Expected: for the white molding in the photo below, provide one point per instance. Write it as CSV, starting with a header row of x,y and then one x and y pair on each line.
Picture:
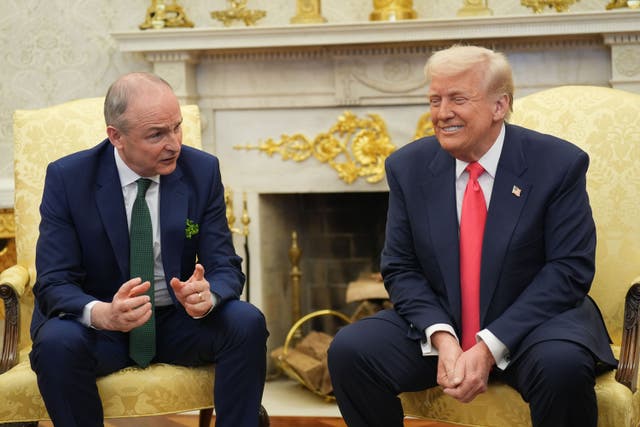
x,y
420,30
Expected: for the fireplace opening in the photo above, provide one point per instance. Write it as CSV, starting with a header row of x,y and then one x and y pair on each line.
x,y
340,236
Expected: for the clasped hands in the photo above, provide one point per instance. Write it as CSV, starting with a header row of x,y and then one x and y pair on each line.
x,y
462,374
131,307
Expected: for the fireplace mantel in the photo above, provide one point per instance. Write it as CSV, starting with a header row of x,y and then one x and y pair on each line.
x,y
176,53
366,33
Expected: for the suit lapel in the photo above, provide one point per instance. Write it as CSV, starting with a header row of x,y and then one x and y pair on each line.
x,y
508,197
440,201
173,215
110,204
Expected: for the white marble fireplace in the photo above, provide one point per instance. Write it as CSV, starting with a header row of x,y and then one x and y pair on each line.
x,y
258,83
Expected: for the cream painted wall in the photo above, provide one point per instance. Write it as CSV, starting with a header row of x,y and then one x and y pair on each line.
x,y
57,50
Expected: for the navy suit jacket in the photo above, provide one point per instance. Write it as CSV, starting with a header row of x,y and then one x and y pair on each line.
x,y
538,249
83,247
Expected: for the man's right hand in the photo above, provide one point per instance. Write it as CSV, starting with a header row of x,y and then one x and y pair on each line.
x,y
449,352
129,309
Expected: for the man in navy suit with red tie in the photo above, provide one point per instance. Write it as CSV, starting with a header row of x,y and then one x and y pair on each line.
x,y
86,299
488,259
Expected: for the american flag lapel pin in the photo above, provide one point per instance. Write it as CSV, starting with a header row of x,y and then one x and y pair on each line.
x,y
516,191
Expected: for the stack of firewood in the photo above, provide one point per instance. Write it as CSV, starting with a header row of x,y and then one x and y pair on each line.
x,y
308,361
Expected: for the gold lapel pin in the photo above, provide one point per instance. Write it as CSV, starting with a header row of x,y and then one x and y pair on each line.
x,y
516,191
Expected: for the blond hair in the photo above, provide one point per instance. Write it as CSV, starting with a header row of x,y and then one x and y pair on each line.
x,y
493,66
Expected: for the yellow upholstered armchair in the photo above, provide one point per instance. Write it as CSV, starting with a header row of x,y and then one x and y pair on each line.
x,y
42,136
606,124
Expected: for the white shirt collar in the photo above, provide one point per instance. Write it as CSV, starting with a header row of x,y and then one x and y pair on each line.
x,y
490,159
127,176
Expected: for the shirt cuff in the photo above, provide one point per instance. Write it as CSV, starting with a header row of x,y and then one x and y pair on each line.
x,y
86,314
499,351
215,300
427,348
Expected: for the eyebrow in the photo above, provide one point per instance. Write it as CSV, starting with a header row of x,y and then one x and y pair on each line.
x,y
164,127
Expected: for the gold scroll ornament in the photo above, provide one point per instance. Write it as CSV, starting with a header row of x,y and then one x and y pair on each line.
x,y
308,12
355,147
238,12
392,10
539,5
165,14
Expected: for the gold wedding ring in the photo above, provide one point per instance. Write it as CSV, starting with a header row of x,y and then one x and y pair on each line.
x,y
200,296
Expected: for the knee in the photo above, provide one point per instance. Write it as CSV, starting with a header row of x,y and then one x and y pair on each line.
x,y
566,370
58,342
346,350
245,322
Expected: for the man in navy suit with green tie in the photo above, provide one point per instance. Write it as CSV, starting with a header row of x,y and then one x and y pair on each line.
x,y
88,295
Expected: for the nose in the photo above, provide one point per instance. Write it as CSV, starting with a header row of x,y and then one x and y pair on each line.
x,y
445,110
174,141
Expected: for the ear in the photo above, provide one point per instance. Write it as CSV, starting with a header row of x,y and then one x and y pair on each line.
x,y
115,136
501,107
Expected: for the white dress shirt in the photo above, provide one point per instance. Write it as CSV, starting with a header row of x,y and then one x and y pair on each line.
x,y
128,180
490,164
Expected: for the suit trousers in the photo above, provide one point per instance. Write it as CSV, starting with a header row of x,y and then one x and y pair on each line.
x,y
372,360
68,357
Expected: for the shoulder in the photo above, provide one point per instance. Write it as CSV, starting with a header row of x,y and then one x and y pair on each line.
x,y
194,156
540,143
84,160
198,166
417,152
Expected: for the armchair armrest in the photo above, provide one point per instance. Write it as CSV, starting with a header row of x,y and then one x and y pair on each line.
x,y
13,283
627,372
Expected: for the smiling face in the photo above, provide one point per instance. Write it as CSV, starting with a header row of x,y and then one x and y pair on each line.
x,y
466,118
151,140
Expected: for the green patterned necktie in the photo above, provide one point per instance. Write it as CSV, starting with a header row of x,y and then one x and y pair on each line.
x,y
142,340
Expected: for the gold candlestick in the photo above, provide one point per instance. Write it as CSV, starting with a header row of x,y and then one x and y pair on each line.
x,y
392,10
539,5
615,4
308,12
165,13
475,8
238,12
231,217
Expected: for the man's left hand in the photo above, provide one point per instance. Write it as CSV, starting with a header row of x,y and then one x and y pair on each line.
x,y
194,294
472,370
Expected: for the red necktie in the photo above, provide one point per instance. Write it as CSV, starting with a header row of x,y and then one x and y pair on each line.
x,y
472,219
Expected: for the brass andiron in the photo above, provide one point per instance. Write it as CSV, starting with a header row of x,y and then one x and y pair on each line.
x,y
165,14
354,147
238,12
294,258
475,8
539,5
392,10
308,12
